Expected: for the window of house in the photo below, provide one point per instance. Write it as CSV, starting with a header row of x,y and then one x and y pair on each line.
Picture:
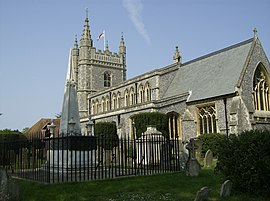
x,y
114,100
107,103
147,92
261,89
174,125
93,107
207,119
118,104
126,98
132,96
107,79
97,106
141,94
103,104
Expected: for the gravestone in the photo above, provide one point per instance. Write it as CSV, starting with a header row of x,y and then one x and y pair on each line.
x,y
226,189
208,159
9,190
202,194
193,167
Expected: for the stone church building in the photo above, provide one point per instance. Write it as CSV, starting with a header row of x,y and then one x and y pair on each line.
x,y
226,91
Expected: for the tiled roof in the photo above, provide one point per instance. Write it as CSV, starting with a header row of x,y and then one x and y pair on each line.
x,y
212,75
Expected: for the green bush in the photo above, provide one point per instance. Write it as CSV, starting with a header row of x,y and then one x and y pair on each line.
x,y
245,160
106,134
211,141
142,120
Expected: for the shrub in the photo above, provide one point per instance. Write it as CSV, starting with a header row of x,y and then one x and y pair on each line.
x,y
142,120
211,141
245,160
107,135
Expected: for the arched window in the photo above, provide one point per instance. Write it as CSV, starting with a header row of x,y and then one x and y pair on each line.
x,y
93,110
107,103
261,89
107,79
207,119
97,106
141,94
126,98
103,104
174,125
132,96
147,91
114,101
118,100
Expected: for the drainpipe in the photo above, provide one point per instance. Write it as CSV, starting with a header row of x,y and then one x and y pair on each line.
x,y
226,119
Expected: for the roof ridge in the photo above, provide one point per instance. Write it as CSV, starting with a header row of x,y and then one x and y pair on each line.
x,y
218,51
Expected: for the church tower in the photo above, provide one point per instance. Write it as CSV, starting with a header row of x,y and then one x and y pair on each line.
x,y
95,70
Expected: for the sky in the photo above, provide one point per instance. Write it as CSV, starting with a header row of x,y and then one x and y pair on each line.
x,y
36,36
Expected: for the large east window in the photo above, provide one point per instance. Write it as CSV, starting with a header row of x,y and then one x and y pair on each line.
x,y
261,89
207,119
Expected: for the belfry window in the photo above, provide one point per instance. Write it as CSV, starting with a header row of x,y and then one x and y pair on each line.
x,y
107,79
261,89
207,119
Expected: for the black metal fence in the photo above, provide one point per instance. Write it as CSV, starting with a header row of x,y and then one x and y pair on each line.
x,y
79,158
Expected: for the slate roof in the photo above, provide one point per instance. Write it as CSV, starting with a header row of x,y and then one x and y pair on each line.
x,y
212,75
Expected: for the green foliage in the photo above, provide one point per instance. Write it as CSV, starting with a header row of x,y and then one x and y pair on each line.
x,y
142,120
211,141
8,135
245,160
107,135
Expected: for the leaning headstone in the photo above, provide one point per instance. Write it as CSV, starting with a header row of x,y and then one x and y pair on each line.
x,y
208,159
202,194
193,167
9,190
226,188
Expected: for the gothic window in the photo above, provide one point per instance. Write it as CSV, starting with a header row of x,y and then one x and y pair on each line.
x,y
132,96
114,100
207,119
141,94
107,103
93,107
118,104
107,79
174,125
147,90
103,104
97,106
126,98
261,89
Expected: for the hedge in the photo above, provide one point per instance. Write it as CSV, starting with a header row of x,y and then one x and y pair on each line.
x,y
142,120
106,134
245,160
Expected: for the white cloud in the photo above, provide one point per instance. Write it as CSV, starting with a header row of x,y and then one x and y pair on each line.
x,y
134,8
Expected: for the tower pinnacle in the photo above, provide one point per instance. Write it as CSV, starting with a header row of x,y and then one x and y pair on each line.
x,y
86,36
177,57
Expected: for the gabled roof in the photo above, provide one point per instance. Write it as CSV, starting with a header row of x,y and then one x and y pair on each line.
x,y
35,130
213,75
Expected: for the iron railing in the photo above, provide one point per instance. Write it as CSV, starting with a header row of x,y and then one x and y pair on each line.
x,y
74,158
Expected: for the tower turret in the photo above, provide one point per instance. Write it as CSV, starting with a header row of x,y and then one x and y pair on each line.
x,y
122,53
75,60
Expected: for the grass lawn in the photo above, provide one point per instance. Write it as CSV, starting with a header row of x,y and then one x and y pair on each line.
x,y
173,186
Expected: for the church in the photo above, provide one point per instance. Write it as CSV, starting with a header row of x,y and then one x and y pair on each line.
x,y
226,91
